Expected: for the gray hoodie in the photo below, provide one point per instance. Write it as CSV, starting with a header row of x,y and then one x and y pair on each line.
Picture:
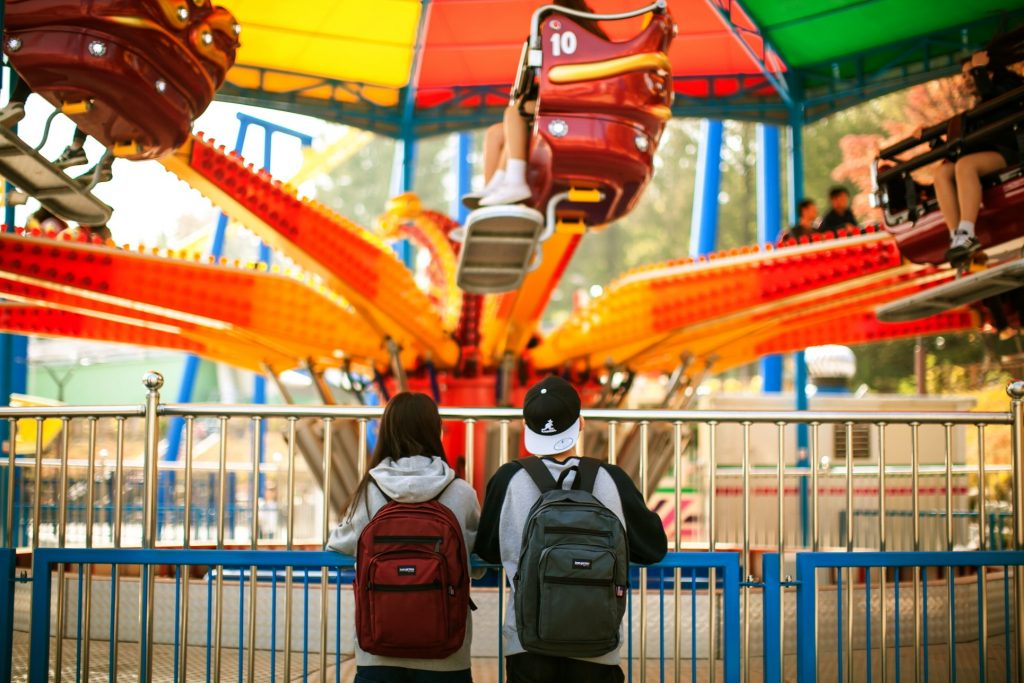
x,y
413,479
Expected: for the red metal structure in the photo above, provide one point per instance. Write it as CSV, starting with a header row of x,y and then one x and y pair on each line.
x,y
601,109
134,75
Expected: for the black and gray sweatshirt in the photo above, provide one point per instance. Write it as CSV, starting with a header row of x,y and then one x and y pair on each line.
x,y
511,494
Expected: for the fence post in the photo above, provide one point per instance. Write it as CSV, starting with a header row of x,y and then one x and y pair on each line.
x,y
806,616
1016,392
771,617
152,380
8,559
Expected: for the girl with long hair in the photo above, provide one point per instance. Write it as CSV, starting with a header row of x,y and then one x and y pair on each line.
x,y
409,466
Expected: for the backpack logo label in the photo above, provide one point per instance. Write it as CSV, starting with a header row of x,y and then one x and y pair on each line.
x,y
549,427
581,564
408,570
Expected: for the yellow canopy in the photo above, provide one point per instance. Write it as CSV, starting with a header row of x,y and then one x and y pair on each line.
x,y
297,46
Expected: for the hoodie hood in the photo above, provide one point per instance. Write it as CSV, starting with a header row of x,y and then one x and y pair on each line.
x,y
412,479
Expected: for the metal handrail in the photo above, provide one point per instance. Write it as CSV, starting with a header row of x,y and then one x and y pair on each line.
x,y
8,412
600,415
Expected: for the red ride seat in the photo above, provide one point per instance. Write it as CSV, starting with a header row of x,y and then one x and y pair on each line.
x,y
133,74
601,109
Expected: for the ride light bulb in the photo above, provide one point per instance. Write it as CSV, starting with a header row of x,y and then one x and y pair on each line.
x,y
642,143
13,44
183,14
160,85
558,128
97,48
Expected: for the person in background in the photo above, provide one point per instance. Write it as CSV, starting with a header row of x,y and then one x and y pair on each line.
x,y
839,215
958,182
506,143
806,221
409,466
43,219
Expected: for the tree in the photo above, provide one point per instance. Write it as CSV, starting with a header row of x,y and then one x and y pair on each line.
x,y
920,106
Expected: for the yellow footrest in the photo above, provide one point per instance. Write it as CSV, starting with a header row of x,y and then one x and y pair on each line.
x,y
125,149
77,107
585,195
571,227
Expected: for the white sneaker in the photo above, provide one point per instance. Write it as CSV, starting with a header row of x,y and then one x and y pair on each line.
x,y
471,200
508,193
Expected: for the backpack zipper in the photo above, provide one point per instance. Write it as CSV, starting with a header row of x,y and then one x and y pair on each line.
x,y
405,588
575,530
435,540
577,582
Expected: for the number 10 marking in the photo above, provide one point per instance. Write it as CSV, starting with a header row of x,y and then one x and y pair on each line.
x,y
563,43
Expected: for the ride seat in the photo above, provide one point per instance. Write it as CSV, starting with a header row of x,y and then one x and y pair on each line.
x,y
132,74
601,110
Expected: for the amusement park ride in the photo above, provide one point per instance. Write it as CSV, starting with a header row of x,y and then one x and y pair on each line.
x,y
471,336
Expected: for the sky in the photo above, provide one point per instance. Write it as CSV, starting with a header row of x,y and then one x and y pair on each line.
x,y
148,201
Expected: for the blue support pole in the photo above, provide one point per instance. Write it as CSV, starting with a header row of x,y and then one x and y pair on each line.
x,y
191,370
769,222
403,179
463,167
704,224
796,192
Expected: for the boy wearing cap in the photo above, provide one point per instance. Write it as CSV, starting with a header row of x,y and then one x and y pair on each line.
x,y
552,427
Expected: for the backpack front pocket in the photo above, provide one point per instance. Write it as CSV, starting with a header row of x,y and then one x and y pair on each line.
x,y
408,599
579,600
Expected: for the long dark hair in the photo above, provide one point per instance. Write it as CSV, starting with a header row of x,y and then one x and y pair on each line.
x,y
586,24
410,425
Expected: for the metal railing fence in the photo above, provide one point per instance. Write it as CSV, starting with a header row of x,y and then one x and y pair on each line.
x,y
876,634
683,592
759,494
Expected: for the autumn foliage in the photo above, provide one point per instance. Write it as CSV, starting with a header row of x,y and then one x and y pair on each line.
x,y
921,106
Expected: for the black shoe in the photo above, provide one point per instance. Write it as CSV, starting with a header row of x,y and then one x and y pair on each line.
x,y
71,156
962,247
471,200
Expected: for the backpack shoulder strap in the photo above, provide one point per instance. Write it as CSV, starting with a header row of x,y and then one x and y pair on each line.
x,y
539,472
586,475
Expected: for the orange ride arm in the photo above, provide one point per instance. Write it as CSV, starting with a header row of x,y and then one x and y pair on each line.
x,y
50,322
219,345
645,307
350,260
711,337
256,307
513,318
847,327
405,218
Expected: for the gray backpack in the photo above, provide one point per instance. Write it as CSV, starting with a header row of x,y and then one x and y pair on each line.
x,y
570,591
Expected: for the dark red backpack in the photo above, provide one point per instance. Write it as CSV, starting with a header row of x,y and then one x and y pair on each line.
x,y
412,582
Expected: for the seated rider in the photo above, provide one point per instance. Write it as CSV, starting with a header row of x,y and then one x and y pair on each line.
x,y
506,144
73,154
958,181
806,221
839,216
